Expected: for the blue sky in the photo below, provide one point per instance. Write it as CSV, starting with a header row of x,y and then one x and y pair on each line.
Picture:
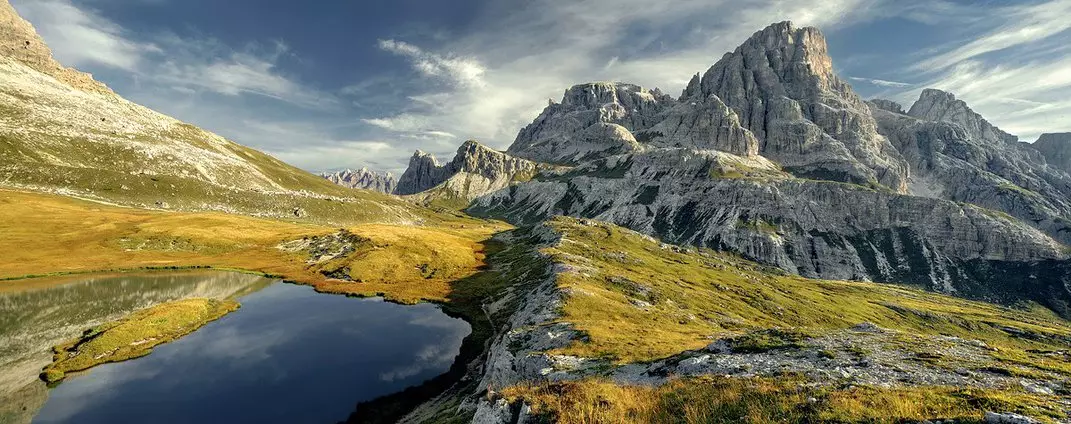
x,y
347,83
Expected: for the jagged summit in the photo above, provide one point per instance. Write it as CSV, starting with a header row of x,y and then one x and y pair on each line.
x,y
781,84
887,105
938,105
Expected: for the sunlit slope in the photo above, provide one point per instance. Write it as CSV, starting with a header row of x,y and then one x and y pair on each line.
x,y
63,132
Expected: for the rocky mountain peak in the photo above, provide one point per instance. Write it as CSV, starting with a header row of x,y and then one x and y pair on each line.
x,y
423,172
942,106
480,167
1056,147
20,42
781,85
364,179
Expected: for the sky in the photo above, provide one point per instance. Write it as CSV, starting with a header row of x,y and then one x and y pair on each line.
x,y
331,84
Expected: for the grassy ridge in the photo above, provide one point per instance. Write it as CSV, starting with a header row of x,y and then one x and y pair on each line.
x,y
135,335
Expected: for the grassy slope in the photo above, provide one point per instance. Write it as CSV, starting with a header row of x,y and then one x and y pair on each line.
x,y
696,295
55,139
135,335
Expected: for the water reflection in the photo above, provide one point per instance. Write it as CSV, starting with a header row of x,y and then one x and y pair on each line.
x,y
289,355
37,314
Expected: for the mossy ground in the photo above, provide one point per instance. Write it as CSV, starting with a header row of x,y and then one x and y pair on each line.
x,y
135,335
785,400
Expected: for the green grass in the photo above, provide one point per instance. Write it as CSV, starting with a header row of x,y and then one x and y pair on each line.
x,y
1011,187
135,335
759,225
767,340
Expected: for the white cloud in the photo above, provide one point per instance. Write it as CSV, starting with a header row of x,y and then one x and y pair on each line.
x,y
458,70
880,82
1018,25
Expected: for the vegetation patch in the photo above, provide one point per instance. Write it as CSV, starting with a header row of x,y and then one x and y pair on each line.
x,y
767,340
786,400
135,335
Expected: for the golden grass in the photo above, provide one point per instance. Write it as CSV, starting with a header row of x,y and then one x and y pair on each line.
x,y
46,234
135,335
728,400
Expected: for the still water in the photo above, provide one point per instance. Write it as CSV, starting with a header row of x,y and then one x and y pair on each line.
x,y
288,355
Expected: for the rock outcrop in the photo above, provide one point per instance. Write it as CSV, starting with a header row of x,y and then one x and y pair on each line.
x,y
1056,148
592,120
19,41
474,171
957,155
811,228
383,182
702,123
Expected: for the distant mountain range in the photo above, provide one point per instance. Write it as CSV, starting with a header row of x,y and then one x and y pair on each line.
x,y
382,182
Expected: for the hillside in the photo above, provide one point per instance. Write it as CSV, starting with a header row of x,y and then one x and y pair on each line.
x,y
63,132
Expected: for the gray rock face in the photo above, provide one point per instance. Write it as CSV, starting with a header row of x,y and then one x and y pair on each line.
x,y
424,172
937,105
702,123
569,132
811,228
982,166
363,179
781,84
1056,148
475,170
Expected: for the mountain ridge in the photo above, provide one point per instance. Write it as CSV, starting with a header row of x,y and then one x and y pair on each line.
x,y
859,191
